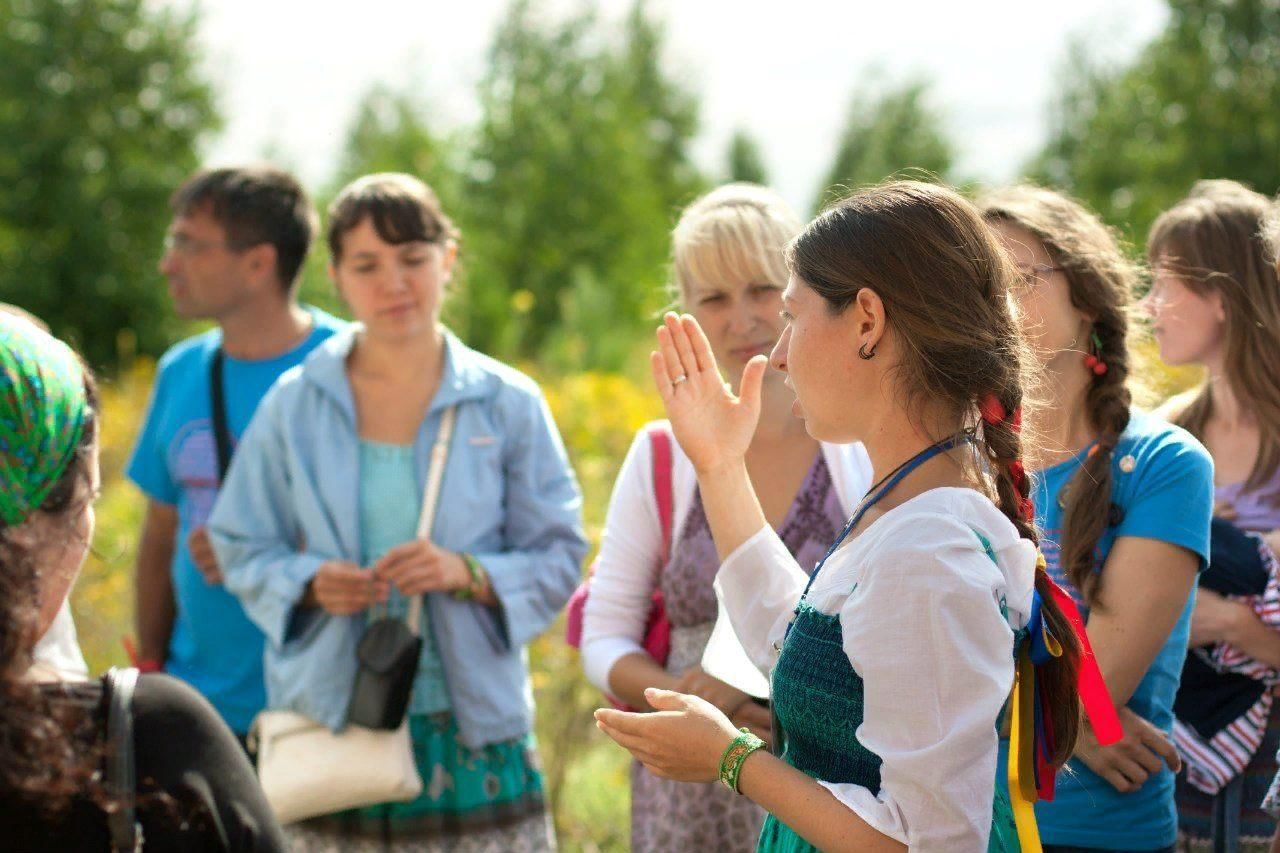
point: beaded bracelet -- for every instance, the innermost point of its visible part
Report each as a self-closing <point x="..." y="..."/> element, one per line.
<point x="477" y="584"/>
<point x="735" y="755"/>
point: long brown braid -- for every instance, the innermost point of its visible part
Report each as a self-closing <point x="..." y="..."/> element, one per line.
<point x="1101" y="281"/>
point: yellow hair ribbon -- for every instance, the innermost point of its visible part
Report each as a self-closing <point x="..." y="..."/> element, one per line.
<point x="1022" y="780"/>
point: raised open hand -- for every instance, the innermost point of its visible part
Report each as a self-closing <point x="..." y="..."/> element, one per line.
<point x="714" y="427"/>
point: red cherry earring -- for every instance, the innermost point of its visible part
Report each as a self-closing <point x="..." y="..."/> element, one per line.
<point x="1092" y="361"/>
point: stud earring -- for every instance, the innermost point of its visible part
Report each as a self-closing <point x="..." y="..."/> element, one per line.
<point x="864" y="354"/>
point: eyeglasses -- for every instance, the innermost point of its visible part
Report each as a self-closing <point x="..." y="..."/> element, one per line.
<point x="1030" y="276"/>
<point x="181" y="244"/>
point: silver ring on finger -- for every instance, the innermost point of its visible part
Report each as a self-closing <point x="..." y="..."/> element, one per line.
<point x="678" y="380"/>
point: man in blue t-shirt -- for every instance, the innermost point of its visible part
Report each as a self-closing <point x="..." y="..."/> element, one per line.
<point x="232" y="255"/>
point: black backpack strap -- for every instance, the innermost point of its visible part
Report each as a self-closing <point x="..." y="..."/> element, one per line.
<point x="121" y="779"/>
<point x="221" y="435"/>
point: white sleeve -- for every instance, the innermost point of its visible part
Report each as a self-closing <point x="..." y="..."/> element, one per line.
<point x="758" y="586"/>
<point x="60" y="649"/>
<point x="924" y="630"/>
<point x="626" y="569"/>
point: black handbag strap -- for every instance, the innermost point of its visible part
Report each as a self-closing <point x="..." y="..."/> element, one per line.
<point x="121" y="779"/>
<point x="221" y="435"/>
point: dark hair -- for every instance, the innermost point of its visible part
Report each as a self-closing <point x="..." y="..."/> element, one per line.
<point x="1101" y="280"/>
<point x="256" y="205"/>
<point x="402" y="209"/>
<point x="42" y="761"/>
<point x="944" y="281"/>
<point x="1214" y="241"/>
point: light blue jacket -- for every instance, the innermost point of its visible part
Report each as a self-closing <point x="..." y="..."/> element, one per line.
<point x="508" y="497"/>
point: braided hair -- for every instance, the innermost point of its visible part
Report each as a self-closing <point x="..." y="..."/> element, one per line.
<point x="1101" y="281"/>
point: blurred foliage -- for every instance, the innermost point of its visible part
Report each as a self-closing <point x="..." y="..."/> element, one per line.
<point x="890" y="128"/>
<point x="101" y="110"/>
<point x="577" y="169"/>
<point x="746" y="161"/>
<point x="1198" y="102"/>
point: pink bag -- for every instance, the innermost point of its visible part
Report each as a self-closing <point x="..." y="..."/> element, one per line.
<point x="657" y="629"/>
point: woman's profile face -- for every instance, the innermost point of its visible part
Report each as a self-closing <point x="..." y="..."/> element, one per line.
<point x="395" y="290"/>
<point x="1053" y="325"/>
<point x="1189" y="327"/>
<point x="818" y="352"/>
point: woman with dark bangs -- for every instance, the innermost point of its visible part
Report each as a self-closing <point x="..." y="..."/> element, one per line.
<point x="1215" y="302"/>
<point x="194" y="787"/>
<point x="317" y="528"/>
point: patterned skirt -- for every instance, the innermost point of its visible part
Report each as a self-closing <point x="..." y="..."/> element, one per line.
<point x="1196" y="808"/>
<point x="473" y="801"/>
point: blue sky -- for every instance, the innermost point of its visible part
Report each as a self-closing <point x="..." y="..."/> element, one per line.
<point x="289" y="76"/>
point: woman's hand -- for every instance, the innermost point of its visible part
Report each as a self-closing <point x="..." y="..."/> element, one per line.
<point x="1126" y="764"/>
<point x="683" y="739"/>
<point x="726" y="698"/>
<point x="713" y="426"/>
<point x="342" y="588"/>
<point x="419" y="566"/>
<point x="1215" y="618"/>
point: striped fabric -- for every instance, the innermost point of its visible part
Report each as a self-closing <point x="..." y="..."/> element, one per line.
<point x="1212" y="763"/>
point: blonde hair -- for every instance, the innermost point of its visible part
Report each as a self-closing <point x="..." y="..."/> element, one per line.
<point x="736" y="232"/>
<point x="1271" y="230"/>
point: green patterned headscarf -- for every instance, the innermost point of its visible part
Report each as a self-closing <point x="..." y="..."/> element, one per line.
<point x="42" y="415"/>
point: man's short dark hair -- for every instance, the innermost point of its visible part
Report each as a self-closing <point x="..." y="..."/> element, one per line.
<point x="256" y="205"/>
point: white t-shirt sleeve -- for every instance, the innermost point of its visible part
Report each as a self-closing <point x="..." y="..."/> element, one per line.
<point x="924" y="630"/>
<point x="758" y="586"/>
<point x="59" y="649"/>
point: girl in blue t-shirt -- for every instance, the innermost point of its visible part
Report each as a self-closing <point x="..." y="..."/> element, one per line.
<point x="1124" y="503"/>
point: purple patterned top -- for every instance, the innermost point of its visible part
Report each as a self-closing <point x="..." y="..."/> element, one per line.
<point x="812" y="524"/>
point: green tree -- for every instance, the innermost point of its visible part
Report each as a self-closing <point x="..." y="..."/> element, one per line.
<point x="578" y="166"/>
<point x="1199" y="101"/>
<point x="388" y="132"/>
<point x="101" y="111"/>
<point x="746" y="163"/>
<point x="889" y="129"/>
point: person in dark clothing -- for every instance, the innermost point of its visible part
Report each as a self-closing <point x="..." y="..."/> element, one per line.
<point x="195" y="789"/>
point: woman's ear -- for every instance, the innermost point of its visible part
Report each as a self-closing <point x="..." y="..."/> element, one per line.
<point x="448" y="257"/>
<point x="869" y="319"/>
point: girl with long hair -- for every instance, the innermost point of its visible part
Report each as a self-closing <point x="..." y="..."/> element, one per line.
<point x="1123" y="502"/>
<point x="1215" y="302"/>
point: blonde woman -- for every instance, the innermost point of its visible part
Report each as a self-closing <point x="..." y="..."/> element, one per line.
<point x="729" y="274"/>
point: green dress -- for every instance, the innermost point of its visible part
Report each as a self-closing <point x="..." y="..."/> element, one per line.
<point x="818" y="707"/>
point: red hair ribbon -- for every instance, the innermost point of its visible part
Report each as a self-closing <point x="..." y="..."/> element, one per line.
<point x="1031" y="774"/>
<point x="994" y="412"/>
